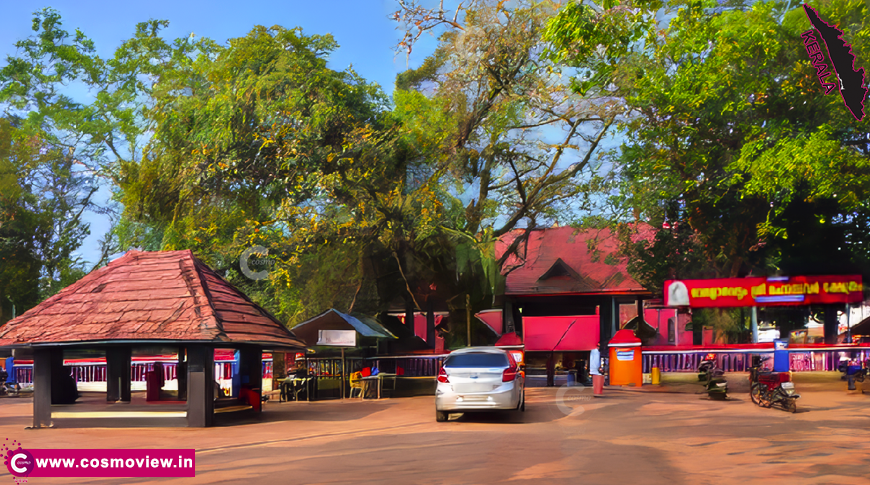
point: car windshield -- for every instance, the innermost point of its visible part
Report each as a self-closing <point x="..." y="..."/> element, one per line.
<point x="481" y="359"/>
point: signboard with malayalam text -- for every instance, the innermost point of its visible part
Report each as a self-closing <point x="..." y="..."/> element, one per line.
<point x="336" y="338"/>
<point x="764" y="291"/>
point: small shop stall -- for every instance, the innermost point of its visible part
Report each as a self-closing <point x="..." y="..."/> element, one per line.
<point x="331" y="361"/>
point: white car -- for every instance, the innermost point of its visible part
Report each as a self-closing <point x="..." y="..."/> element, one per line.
<point x="479" y="379"/>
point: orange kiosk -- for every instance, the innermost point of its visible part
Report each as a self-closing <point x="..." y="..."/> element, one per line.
<point x="626" y="366"/>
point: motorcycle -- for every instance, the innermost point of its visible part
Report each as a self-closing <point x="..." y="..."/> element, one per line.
<point x="772" y="388"/>
<point x="706" y="365"/>
<point x="716" y="385"/>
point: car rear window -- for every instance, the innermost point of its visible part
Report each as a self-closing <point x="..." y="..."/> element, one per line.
<point x="477" y="360"/>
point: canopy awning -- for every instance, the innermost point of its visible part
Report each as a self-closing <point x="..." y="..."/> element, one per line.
<point x="492" y="319"/>
<point x="333" y="319"/>
<point x="561" y="334"/>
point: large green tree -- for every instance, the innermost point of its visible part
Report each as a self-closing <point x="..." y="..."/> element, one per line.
<point x="260" y="143"/>
<point x="728" y="133"/>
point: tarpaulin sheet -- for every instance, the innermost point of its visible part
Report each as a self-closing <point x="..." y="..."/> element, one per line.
<point x="561" y="334"/>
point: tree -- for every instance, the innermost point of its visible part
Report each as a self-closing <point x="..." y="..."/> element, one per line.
<point x="516" y="146"/>
<point x="728" y="133"/>
<point x="259" y="143"/>
<point x="42" y="199"/>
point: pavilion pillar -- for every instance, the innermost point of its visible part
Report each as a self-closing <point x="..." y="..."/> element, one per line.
<point x="251" y="367"/>
<point x="118" y="370"/>
<point x="181" y="374"/>
<point x="200" y="386"/>
<point x="279" y="369"/>
<point x="45" y="360"/>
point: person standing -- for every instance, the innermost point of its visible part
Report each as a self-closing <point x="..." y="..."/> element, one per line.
<point x="595" y="361"/>
<point x="594" y="369"/>
<point x="551" y="370"/>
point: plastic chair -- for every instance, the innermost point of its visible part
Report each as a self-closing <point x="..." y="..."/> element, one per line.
<point x="356" y="383"/>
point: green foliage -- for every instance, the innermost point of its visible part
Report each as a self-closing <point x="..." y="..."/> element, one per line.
<point x="729" y="138"/>
<point x="41" y="204"/>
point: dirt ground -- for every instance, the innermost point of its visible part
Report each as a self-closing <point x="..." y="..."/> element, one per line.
<point x="669" y="434"/>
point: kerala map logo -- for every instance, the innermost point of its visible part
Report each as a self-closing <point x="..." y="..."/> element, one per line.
<point x="846" y="78"/>
<point x="19" y="461"/>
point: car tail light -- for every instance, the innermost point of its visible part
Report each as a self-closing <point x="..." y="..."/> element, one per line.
<point x="509" y="374"/>
<point x="442" y="376"/>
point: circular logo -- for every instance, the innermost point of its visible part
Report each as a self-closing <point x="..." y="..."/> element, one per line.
<point x="569" y="399"/>
<point x="20" y="462"/>
<point x="246" y="262"/>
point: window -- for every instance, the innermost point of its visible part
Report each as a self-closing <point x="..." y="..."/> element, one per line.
<point x="477" y="360"/>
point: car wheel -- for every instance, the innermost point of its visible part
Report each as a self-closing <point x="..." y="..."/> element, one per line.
<point x="441" y="416"/>
<point x="521" y="404"/>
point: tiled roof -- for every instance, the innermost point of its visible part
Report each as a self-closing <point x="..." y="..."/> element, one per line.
<point x="567" y="260"/>
<point x="158" y="296"/>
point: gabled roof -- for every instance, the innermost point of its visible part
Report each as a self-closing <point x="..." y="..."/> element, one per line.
<point x="333" y="319"/>
<point x="149" y="296"/>
<point x="588" y="256"/>
<point x="559" y="269"/>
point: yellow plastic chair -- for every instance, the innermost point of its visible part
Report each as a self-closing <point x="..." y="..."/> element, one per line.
<point x="356" y="383"/>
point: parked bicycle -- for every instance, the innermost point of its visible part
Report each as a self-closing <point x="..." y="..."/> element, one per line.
<point x="768" y="389"/>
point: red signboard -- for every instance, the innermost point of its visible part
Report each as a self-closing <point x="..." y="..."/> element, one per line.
<point x="764" y="291"/>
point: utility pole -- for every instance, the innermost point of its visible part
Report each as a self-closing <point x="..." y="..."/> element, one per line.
<point x="468" y="316"/>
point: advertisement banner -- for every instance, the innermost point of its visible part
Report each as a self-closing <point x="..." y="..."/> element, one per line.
<point x="336" y="338"/>
<point x="764" y="291"/>
<point x="98" y="463"/>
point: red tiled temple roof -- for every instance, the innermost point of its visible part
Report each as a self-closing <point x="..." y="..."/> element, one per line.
<point x="154" y="296"/>
<point x="565" y="260"/>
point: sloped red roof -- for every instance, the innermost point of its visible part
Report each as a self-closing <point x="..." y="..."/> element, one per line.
<point x="567" y="260"/>
<point x="159" y="296"/>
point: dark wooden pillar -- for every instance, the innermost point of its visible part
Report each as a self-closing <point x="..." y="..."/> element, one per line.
<point x="697" y="330"/>
<point x="508" y="316"/>
<point x="279" y="369"/>
<point x="430" y="323"/>
<point x="200" y="386"/>
<point x="251" y="367"/>
<point x="118" y="370"/>
<point x="605" y="323"/>
<point x="181" y="373"/>
<point x="44" y="362"/>
<point x="639" y="303"/>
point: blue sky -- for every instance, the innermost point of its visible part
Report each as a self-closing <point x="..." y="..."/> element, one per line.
<point x="361" y="27"/>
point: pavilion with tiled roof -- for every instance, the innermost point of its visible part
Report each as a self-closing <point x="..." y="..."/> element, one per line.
<point x="160" y="298"/>
<point x="565" y="289"/>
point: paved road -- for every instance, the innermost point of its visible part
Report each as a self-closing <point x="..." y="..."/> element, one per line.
<point x="668" y="435"/>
